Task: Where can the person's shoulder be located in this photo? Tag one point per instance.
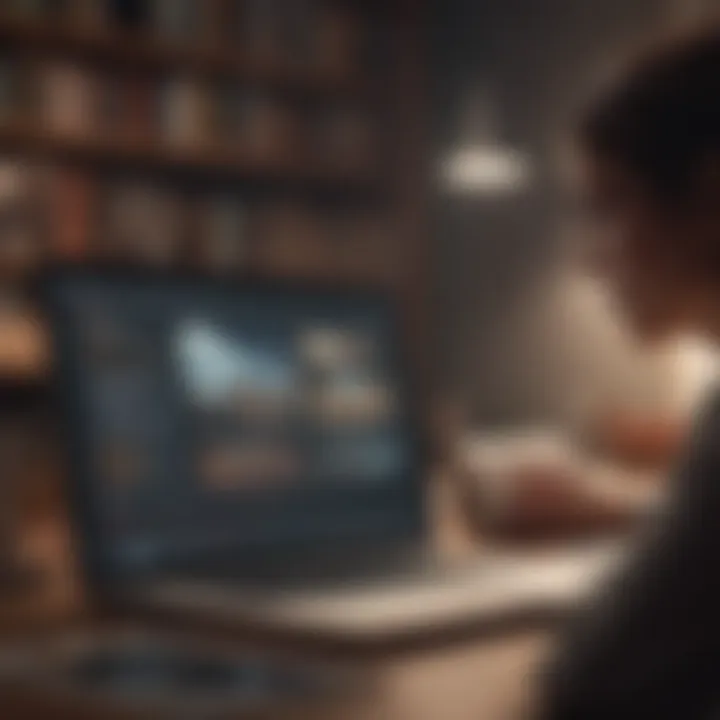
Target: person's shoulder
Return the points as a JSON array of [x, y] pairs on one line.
[[697, 475], [706, 423]]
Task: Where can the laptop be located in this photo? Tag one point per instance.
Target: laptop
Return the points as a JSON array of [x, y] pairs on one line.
[[249, 453]]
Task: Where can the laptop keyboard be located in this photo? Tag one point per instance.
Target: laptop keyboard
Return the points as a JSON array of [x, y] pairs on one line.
[[405, 567]]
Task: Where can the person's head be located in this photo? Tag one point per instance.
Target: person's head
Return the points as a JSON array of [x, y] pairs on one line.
[[650, 146]]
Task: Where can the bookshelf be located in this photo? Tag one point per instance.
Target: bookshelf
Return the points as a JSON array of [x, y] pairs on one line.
[[144, 52], [203, 162], [298, 145]]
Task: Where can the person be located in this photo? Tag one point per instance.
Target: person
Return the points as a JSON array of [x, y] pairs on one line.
[[649, 647]]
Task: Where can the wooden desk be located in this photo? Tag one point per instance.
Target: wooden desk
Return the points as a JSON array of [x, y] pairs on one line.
[[484, 680], [481, 678]]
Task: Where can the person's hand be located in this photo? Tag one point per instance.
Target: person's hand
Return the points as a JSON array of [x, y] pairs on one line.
[[556, 501]]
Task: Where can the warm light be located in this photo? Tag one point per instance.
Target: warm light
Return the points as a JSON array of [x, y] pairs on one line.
[[486, 169], [697, 366]]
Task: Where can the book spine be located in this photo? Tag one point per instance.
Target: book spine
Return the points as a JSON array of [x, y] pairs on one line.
[[142, 223], [8, 89], [139, 98], [183, 111], [27, 9], [89, 15], [223, 234], [20, 236], [177, 20], [70, 200], [68, 99], [339, 39]]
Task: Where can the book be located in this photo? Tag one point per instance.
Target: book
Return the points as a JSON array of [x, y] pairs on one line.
[[257, 25], [91, 15], [177, 20], [248, 120], [20, 222], [218, 18], [19, 87], [339, 41], [127, 106], [262, 127], [289, 240], [222, 233], [366, 245], [183, 112], [128, 14], [140, 97], [300, 26], [69, 203], [227, 111], [57, 10], [68, 99], [342, 137], [27, 9], [38, 10], [141, 222], [8, 89]]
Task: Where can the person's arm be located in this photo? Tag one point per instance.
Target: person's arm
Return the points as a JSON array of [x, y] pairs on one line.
[[650, 646]]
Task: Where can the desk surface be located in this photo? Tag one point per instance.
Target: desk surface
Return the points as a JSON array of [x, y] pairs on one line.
[[488, 680], [474, 678]]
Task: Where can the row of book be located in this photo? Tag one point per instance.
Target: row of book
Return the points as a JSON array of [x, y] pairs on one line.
[[52, 212], [315, 34], [181, 113]]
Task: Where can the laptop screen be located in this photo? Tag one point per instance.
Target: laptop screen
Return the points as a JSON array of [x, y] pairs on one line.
[[208, 417]]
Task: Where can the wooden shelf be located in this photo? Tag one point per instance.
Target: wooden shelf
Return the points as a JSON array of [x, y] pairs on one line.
[[118, 53], [142, 51], [19, 138], [25, 360]]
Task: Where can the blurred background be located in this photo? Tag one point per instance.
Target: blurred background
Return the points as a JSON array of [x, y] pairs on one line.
[[415, 145]]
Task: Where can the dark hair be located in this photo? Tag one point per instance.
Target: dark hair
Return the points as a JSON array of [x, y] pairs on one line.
[[661, 118]]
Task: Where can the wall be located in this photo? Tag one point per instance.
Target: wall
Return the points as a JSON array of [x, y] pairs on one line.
[[521, 338]]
